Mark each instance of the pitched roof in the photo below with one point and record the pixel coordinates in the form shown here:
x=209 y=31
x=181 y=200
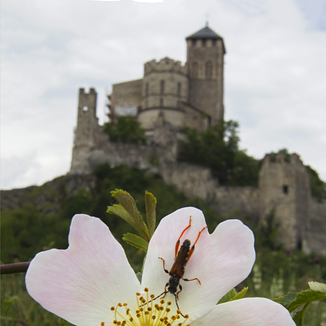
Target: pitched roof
x=205 y=33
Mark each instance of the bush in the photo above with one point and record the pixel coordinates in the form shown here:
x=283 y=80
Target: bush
x=125 y=130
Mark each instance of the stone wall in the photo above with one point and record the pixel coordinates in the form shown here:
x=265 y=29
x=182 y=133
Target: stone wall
x=206 y=88
x=127 y=93
x=285 y=190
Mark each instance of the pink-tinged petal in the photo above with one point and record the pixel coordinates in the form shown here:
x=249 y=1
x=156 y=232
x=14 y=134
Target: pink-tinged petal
x=247 y=312
x=220 y=260
x=80 y=284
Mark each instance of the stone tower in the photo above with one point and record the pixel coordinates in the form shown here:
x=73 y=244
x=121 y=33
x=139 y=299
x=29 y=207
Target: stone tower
x=85 y=132
x=284 y=186
x=165 y=87
x=205 y=60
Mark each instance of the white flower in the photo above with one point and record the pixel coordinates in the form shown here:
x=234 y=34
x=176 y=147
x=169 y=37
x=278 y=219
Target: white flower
x=92 y=284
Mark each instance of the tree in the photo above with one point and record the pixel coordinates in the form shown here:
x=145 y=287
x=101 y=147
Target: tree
x=218 y=149
x=125 y=130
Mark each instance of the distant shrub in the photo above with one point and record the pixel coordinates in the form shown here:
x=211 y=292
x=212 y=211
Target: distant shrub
x=125 y=130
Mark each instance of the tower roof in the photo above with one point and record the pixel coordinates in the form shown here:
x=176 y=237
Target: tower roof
x=205 y=33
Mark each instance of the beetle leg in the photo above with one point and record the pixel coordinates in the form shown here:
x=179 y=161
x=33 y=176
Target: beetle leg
x=177 y=294
x=191 y=251
x=165 y=292
x=178 y=242
x=193 y=279
x=165 y=270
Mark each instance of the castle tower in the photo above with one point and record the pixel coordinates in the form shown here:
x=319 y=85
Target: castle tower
x=85 y=132
x=165 y=87
x=205 y=60
x=284 y=186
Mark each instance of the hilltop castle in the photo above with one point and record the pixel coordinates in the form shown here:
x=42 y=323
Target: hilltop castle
x=171 y=96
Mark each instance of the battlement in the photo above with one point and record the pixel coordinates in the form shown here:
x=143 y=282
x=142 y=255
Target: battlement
x=283 y=158
x=91 y=91
x=165 y=64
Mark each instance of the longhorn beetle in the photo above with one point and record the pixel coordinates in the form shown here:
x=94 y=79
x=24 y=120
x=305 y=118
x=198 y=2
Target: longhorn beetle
x=177 y=271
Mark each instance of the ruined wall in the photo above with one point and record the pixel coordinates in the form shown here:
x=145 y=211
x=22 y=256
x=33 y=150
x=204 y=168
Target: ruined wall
x=285 y=190
x=314 y=239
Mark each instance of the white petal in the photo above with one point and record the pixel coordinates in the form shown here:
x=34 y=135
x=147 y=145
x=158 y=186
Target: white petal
x=247 y=312
x=220 y=260
x=80 y=284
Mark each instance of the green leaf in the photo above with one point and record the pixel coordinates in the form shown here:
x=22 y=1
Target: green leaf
x=286 y=299
x=293 y=301
x=304 y=297
x=118 y=210
x=240 y=294
x=150 y=204
x=135 y=241
x=65 y=323
x=228 y=297
x=316 y=286
x=128 y=211
x=298 y=317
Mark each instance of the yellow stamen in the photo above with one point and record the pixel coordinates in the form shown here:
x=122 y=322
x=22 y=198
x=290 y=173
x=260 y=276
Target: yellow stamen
x=147 y=313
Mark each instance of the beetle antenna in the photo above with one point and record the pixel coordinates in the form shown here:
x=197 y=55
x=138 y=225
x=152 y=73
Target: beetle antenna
x=165 y=292
x=176 y=302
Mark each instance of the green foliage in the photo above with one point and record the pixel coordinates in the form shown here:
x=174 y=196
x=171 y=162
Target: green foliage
x=268 y=233
x=233 y=295
x=127 y=210
x=125 y=130
x=27 y=231
x=298 y=303
x=317 y=186
x=18 y=308
x=218 y=149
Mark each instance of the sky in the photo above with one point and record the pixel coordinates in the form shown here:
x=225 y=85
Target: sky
x=275 y=71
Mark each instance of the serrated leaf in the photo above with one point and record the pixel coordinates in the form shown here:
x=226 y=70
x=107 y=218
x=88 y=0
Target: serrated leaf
x=286 y=299
x=118 y=210
x=128 y=211
x=317 y=286
x=135 y=241
x=293 y=301
x=228 y=297
x=240 y=294
x=304 y=297
x=150 y=204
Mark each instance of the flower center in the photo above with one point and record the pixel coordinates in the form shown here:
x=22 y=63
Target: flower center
x=147 y=313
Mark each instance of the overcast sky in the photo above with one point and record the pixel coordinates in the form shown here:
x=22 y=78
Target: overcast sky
x=275 y=71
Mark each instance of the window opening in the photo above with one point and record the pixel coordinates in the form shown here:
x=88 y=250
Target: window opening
x=285 y=189
x=195 y=70
x=179 y=89
x=162 y=86
x=208 y=69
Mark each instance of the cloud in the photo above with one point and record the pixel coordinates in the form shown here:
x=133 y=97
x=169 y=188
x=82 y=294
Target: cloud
x=274 y=71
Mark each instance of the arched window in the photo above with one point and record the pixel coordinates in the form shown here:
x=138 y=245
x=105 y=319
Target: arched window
x=194 y=70
x=179 y=89
x=208 y=69
x=147 y=88
x=162 y=86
